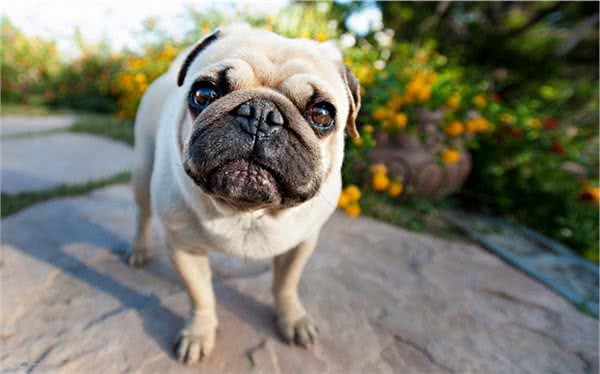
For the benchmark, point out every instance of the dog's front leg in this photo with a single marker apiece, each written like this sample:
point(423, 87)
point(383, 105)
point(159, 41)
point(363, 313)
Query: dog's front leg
point(197, 339)
point(292, 319)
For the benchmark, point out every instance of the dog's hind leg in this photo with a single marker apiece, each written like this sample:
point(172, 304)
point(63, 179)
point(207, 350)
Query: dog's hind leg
point(142, 173)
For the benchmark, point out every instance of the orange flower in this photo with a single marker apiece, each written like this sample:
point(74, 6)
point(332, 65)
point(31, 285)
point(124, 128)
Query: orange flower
point(479, 101)
point(353, 210)
point(454, 128)
point(344, 201)
point(378, 169)
point(400, 120)
point(380, 182)
point(381, 113)
point(478, 124)
point(368, 128)
point(352, 192)
point(453, 102)
point(395, 102)
point(450, 156)
point(321, 37)
point(395, 189)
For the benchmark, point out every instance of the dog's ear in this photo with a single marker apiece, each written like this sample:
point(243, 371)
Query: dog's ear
point(193, 53)
point(353, 88)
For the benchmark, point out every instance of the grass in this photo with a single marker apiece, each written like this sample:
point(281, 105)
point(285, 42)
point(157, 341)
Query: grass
point(103, 125)
point(11, 204)
point(31, 110)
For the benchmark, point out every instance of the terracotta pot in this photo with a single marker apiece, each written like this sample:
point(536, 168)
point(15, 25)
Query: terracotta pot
point(415, 158)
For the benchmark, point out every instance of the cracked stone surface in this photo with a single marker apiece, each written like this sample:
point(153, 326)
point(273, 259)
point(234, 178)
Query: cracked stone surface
point(46, 161)
point(18, 124)
point(386, 301)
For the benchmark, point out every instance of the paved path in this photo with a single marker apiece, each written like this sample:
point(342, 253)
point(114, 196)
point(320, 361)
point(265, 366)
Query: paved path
point(41, 162)
point(18, 124)
point(386, 300)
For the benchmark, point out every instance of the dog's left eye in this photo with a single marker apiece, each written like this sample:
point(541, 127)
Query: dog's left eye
point(201, 95)
point(322, 116)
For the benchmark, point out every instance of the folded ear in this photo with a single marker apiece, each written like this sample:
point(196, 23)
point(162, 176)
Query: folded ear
point(353, 88)
point(192, 55)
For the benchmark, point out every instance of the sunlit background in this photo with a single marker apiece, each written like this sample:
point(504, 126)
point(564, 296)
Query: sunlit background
point(485, 107)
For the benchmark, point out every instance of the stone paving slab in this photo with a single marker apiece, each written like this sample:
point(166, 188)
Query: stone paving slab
point(43, 162)
point(551, 263)
point(17, 124)
point(386, 301)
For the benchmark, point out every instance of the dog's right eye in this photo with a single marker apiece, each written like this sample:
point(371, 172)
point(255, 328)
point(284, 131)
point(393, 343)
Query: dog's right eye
point(201, 95)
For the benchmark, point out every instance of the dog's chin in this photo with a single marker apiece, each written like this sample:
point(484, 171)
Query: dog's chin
point(240, 184)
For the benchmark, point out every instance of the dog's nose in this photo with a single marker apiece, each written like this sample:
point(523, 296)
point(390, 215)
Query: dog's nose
point(259, 117)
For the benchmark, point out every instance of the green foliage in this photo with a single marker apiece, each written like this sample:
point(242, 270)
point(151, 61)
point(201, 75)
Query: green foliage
point(28, 64)
point(110, 127)
point(12, 204)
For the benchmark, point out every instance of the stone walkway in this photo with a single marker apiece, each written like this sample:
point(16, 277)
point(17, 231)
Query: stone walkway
point(45, 161)
point(549, 262)
point(17, 125)
point(386, 301)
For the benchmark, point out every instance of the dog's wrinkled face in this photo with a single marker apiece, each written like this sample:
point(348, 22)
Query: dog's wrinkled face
point(267, 117)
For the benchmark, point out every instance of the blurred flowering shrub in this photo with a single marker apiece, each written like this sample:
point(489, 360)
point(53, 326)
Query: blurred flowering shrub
point(532, 159)
point(527, 163)
point(28, 64)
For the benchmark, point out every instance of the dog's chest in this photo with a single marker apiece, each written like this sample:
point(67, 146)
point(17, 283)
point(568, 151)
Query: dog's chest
point(254, 235)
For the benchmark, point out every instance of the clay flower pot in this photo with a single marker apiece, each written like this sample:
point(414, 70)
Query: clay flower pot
point(415, 158)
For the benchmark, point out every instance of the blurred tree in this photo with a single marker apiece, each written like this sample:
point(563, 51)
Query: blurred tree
point(27, 64)
point(519, 42)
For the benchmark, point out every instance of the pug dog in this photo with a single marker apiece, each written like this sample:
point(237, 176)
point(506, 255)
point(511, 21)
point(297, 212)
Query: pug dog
point(239, 149)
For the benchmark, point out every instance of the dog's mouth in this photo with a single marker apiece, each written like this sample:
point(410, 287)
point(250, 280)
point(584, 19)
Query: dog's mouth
point(242, 183)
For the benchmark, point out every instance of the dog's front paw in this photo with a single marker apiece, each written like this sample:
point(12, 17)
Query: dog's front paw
point(301, 331)
point(191, 348)
point(138, 258)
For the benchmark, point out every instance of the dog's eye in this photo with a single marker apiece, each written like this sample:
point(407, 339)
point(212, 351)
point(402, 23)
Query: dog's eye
point(201, 95)
point(322, 115)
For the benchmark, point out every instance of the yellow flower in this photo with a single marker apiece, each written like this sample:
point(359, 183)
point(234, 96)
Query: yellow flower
point(395, 102)
point(381, 113)
point(353, 210)
point(454, 128)
point(395, 189)
point(479, 101)
point(305, 35)
point(450, 156)
point(534, 123)
point(358, 141)
point(268, 27)
point(169, 52)
point(344, 201)
point(425, 94)
point(430, 77)
point(321, 37)
point(368, 128)
point(400, 120)
point(380, 182)
point(352, 192)
point(414, 88)
point(453, 102)
point(140, 78)
point(507, 118)
point(378, 169)
point(478, 124)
